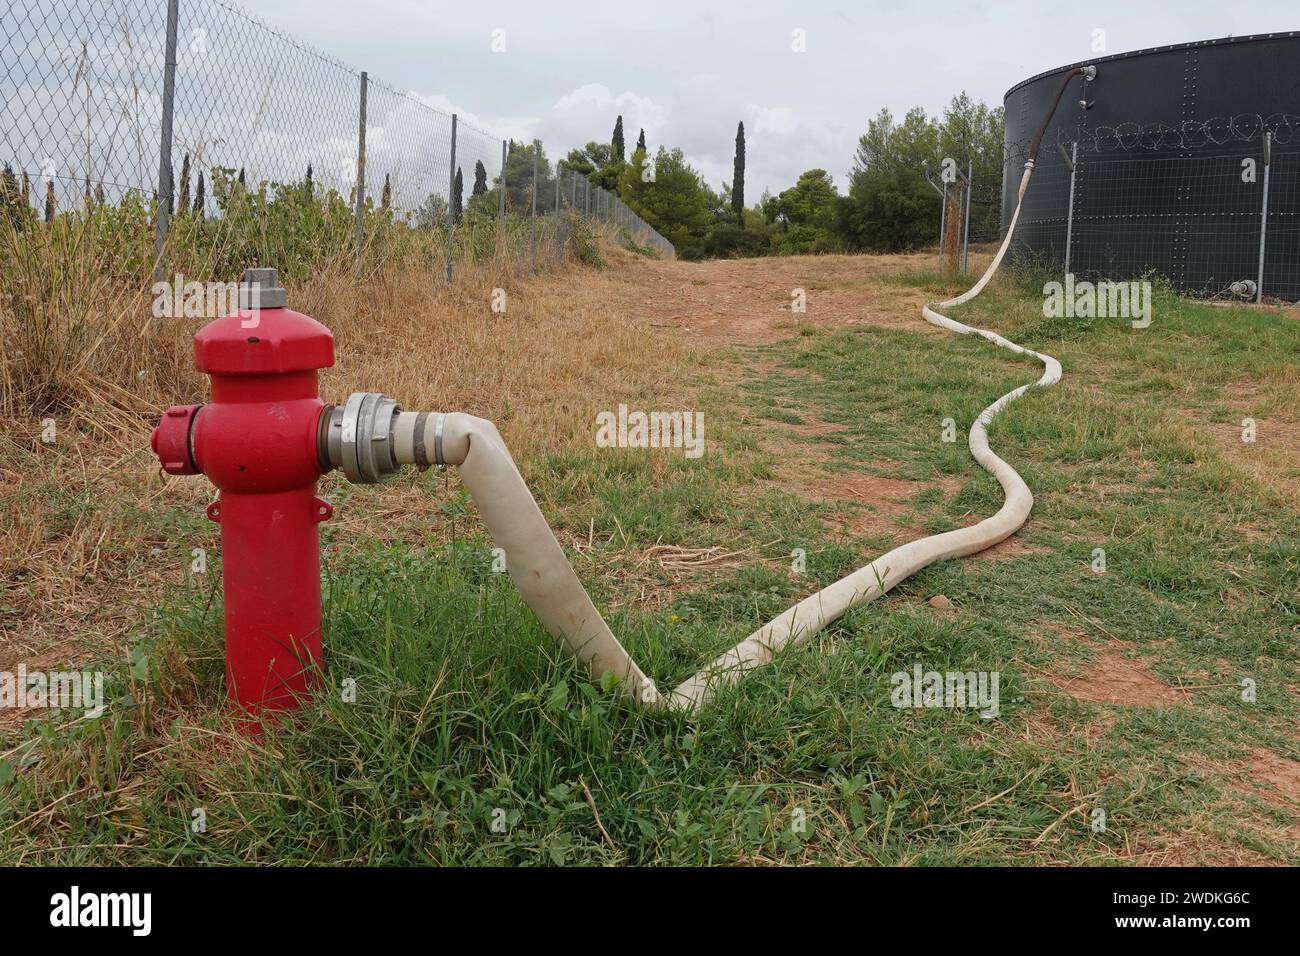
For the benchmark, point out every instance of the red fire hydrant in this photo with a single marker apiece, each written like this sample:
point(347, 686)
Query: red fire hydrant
point(261, 441)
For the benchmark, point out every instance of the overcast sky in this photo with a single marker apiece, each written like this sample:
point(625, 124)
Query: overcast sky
point(688, 70)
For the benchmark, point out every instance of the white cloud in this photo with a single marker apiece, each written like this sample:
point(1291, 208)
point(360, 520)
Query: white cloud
point(780, 142)
point(588, 113)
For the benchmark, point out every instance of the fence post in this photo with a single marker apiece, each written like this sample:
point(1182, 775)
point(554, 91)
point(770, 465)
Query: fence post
point(361, 168)
point(943, 220)
point(555, 232)
point(1263, 216)
point(501, 198)
point(451, 196)
point(965, 229)
point(165, 184)
point(532, 224)
point(1069, 215)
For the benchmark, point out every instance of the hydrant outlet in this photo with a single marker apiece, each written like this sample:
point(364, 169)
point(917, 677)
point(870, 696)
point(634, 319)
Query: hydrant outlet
point(173, 440)
point(359, 438)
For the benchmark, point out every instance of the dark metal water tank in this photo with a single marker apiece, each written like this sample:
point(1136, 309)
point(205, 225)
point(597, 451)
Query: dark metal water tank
point(1160, 182)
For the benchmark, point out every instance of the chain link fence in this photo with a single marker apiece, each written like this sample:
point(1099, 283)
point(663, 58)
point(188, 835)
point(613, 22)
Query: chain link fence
point(1212, 206)
point(172, 103)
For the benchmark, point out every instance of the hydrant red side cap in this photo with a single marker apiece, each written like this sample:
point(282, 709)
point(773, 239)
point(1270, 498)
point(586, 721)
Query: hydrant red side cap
point(261, 342)
point(171, 440)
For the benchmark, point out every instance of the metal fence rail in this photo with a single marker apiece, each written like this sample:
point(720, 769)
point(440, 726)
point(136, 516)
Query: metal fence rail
point(105, 101)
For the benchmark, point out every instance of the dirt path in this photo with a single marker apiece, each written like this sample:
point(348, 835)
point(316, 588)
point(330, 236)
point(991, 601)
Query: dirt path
point(752, 301)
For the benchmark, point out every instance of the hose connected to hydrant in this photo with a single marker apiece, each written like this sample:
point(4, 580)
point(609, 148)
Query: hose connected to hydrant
point(266, 438)
point(548, 583)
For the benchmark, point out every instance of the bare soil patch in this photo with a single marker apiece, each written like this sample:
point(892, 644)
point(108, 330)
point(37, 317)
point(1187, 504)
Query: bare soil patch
point(1272, 455)
point(1273, 777)
point(1116, 679)
point(745, 302)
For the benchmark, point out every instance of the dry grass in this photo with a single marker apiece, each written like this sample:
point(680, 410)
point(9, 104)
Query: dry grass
point(83, 555)
point(89, 530)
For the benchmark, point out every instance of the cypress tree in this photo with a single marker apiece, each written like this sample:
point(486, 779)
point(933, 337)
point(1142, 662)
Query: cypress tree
point(9, 196)
point(183, 201)
point(480, 178)
point(617, 141)
point(387, 200)
point(99, 194)
point(49, 200)
point(738, 177)
point(640, 141)
point(199, 198)
point(241, 176)
point(308, 187)
point(458, 197)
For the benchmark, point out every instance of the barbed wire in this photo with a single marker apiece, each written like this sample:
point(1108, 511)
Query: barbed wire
point(1133, 137)
point(1157, 137)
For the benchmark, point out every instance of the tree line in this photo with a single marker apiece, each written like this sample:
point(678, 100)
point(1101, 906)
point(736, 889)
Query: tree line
point(888, 206)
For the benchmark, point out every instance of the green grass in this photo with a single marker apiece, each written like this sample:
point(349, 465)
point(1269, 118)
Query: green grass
point(467, 715)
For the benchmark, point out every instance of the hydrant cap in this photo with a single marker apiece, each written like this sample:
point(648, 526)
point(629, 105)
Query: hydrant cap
point(265, 340)
point(171, 440)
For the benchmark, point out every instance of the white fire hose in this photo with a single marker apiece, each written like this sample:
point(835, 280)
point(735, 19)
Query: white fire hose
point(370, 438)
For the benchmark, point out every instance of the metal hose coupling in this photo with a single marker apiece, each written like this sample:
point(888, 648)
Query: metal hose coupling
point(358, 437)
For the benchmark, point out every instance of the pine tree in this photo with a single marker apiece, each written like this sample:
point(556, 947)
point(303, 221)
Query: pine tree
point(309, 187)
point(480, 178)
point(458, 198)
point(617, 142)
point(199, 198)
point(738, 177)
point(183, 201)
point(387, 201)
point(640, 141)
